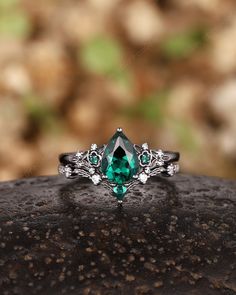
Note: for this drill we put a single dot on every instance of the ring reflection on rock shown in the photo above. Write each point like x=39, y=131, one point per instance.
x=119, y=165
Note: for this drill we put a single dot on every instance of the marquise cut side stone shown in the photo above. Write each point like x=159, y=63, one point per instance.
x=119, y=191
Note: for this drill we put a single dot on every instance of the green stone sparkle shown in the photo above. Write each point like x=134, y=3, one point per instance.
x=120, y=161
x=145, y=158
x=93, y=158
x=119, y=191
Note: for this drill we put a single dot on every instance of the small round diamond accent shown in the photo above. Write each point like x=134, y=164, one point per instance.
x=145, y=146
x=96, y=179
x=78, y=158
x=160, y=158
x=93, y=146
x=147, y=170
x=172, y=169
x=92, y=170
x=143, y=177
x=79, y=155
x=61, y=169
x=68, y=171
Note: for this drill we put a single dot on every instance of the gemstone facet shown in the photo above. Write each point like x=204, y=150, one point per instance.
x=145, y=158
x=120, y=191
x=96, y=179
x=119, y=162
x=68, y=171
x=143, y=177
x=93, y=158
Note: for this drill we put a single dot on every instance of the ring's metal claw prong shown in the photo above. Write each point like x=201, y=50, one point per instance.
x=120, y=202
x=94, y=146
x=119, y=129
x=145, y=146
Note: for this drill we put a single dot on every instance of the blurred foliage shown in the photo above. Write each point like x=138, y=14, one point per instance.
x=101, y=55
x=14, y=21
x=151, y=108
x=6, y=4
x=14, y=24
x=71, y=72
x=185, y=135
x=154, y=109
x=41, y=114
x=123, y=77
x=183, y=44
x=104, y=56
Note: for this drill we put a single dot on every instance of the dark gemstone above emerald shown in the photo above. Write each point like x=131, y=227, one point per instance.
x=119, y=162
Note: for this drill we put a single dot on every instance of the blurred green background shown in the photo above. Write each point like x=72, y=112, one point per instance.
x=71, y=72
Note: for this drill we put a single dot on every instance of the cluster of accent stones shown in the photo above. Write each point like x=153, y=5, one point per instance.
x=66, y=170
x=94, y=159
x=172, y=169
x=145, y=159
x=121, y=164
x=88, y=162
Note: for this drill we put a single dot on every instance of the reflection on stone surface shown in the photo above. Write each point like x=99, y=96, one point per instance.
x=120, y=162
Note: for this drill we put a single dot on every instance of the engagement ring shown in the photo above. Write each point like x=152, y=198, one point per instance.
x=119, y=165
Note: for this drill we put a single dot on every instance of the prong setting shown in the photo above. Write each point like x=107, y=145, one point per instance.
x=96, y=179
x=145, y=146
x=68, y=172
x=93, y=147
x=143, y=177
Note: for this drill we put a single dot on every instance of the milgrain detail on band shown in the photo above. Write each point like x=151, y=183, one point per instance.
x=119, y=165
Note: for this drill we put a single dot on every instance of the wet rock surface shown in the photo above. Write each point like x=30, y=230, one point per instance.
x=172, y=236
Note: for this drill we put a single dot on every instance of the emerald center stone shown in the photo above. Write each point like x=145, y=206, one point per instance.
x=120, y=161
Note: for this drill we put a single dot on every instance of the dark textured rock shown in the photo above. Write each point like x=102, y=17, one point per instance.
x=172, y=236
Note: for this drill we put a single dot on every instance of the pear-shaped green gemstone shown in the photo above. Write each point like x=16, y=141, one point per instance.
x=120, y=161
